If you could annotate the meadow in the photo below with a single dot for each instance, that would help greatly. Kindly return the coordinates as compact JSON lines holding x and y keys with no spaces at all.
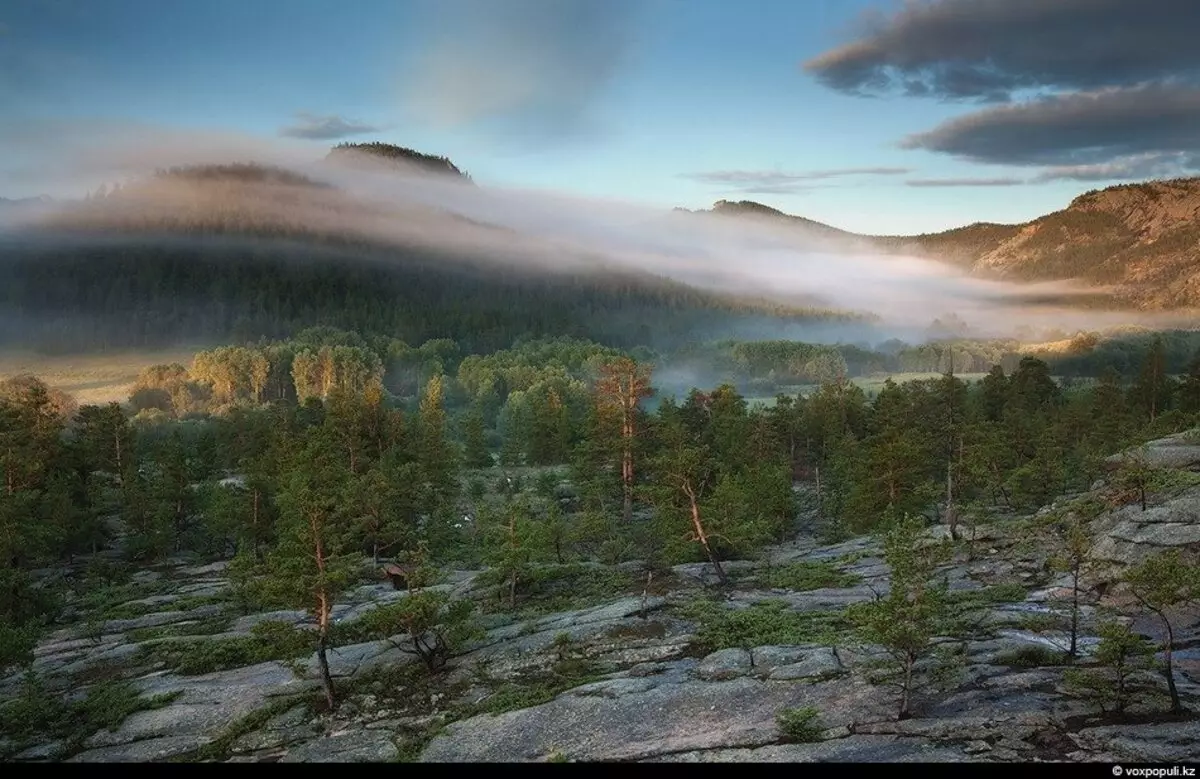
{"x":91,"y":378}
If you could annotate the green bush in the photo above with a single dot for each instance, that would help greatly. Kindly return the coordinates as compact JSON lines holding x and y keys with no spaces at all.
{"x":763,"y":623}
{"x":804,"y":576}
{"x":1032,"y":656}
{"x":38,"y":715}
{"x":801,"y":725}
{"x":267,"y":641}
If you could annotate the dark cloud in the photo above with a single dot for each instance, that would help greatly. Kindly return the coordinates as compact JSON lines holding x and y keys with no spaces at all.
{"x":312,"y":127}
{"x":775,"y":182}
{"x":966,"y":182}
{"x":530,"y":69}
{"x":988,"y":49}
{"x":1087,"y":128}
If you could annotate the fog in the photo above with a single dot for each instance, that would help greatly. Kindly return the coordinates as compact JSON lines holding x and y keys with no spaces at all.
{"x":542,"y":230}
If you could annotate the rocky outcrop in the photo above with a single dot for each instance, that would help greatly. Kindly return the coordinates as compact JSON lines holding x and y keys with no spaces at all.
{"x":629,"y":677}
{"x":1180,"y":451}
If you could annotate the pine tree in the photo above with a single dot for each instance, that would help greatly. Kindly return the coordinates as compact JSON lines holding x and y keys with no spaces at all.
{"x":435,"y":454}
{"x":682,"y":472}
{"x":1161,"y":584}
{"x":906,"y":619}
{"x":619,"y":391}
{"x":1151,"y":393}
{"x":309,"y":566}
{"x":475,"y":447}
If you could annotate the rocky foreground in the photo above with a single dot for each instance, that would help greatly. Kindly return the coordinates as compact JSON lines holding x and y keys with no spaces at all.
{"x":616,"y":665}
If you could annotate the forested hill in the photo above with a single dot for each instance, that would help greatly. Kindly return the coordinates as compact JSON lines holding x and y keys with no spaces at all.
{"x":1141,"y":241}
{"x":374,"y":154}
{"x":751,"y":210}
{"x":244,"y":251}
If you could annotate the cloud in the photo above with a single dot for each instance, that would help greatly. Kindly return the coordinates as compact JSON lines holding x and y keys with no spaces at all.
{"x":533,"y":70}
{"x":518,"y":230}
{"x":776,"y":182}
{"x":989,"y":49}
{"x":966,"y":182}
{"x":314,"y":127}
{"x":1087,"y":128}
{"x":1092,"y":90}
{"x":63,"y":156}
{"x":1140,"y":166}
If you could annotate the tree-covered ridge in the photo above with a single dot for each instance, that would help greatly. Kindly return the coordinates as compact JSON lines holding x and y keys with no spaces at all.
{"x":359,"y":152}
{"x":140,"y":293}
{"x":247,"y":172}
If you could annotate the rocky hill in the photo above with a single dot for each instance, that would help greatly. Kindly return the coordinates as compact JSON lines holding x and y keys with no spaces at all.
{"x":1140,"y":241}
{"x":630,"y":663}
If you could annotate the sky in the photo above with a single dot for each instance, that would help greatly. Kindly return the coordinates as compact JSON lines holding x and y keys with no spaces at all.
{"x":876,"y":116}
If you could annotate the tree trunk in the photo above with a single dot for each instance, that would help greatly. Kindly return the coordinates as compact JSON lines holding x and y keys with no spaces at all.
{"x":1073,"y":652}
{"x":322,"y":616}
{"x":951,"y":512}
{"x":698,"y":527}
{"x":322,"y":657}
{"x":906,"y":687}
{"x":1168,"y":666}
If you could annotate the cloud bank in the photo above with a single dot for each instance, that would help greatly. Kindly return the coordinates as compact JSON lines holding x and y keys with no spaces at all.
{"x":777,"y":182}
{"x":1089,"y":89}
{"x":542,"y":231}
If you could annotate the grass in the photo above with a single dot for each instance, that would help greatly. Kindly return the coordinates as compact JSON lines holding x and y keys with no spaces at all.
{"x":534,"y":690}
{"x":763,"y":624}
{"x":1039,"y":623}
{"x":200,"y":627}
{"x":39,"y":716}
{"x":221,"y":748}
{"x":113,"y":601}
{"x":547,"y":589}
{"x":91,"y":378}
{"x":571,"y":669}
{"x":1171,"y":480}
{"x":800,"y":725}
{"x":987,"y":596}
{"x":804,"y":576}
{"x":267,"y":641}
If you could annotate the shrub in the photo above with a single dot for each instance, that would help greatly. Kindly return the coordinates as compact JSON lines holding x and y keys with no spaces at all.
{"x":801,"y":725}
{"x":764,"y":623}
{"x":1032,"y":656}
{"x":804,"y":576}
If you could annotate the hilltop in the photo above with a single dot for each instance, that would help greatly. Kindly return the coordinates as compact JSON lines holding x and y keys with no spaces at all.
{"x":373,"y":154}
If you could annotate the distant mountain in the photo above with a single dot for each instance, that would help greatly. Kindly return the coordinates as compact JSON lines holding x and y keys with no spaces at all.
{"x":373,"y":155}
{"x":750,"y":209}
{"x":1140,"y":242}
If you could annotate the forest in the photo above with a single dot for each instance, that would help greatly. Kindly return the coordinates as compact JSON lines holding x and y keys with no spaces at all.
{"x":305,"y":460}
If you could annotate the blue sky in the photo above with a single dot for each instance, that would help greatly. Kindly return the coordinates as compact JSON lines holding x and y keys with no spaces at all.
{"x":667,"y":102}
